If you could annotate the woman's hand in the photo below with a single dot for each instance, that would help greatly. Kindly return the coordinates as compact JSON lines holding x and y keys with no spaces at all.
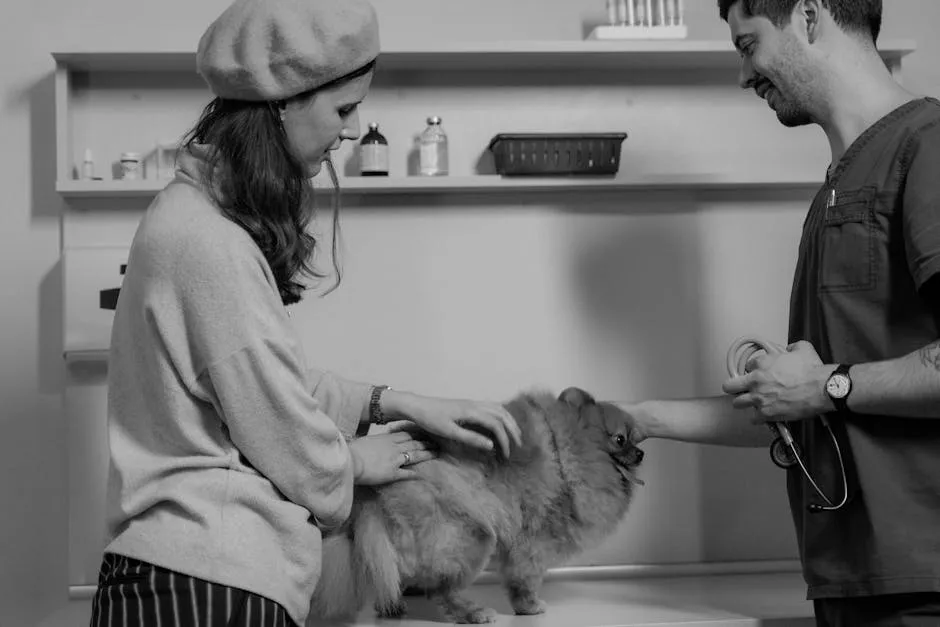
{"x":387,"y":457}
{"x":450,"y":418}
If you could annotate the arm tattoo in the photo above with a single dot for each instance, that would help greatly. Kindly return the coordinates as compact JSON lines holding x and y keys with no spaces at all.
{"x":930,"y":356}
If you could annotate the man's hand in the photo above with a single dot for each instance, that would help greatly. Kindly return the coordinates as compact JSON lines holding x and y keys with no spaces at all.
{"x":784,"y":386}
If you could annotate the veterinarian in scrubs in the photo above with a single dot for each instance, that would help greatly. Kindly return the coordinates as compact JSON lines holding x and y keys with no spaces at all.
{"x":865,"y":304}
{"x":229,"y":453}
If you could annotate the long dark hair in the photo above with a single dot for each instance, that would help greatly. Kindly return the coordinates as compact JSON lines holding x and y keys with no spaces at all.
{"x":259,"y":184}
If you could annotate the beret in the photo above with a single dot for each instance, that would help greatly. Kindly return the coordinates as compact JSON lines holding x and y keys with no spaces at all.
{"x":265,"y":50}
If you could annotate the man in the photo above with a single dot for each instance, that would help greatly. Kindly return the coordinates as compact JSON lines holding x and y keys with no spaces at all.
{"x":864,"y":312}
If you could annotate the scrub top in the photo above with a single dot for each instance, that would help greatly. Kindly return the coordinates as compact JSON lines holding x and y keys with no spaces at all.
{"x":870,"y":242}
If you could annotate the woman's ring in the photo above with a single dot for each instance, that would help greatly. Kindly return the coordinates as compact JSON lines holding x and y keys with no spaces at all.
{"x":407,"y":458}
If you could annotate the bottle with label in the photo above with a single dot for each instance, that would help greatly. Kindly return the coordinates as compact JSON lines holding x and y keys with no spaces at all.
{"x":373,"y":152}
{"x":433,"y":149}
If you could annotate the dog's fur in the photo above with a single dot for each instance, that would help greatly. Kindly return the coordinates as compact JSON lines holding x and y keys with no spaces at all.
{"x":566,"y":488}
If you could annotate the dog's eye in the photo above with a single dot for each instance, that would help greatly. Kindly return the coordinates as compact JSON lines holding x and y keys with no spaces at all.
{"x":620,"y":440}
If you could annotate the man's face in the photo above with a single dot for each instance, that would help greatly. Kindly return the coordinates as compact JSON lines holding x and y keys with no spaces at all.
{"x":774,"y":65}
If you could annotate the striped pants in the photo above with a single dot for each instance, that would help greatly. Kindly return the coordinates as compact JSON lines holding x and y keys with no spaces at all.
{"x":132,"y":593}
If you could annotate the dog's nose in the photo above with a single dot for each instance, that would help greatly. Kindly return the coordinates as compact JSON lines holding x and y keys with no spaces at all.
{"x":638,"y":455}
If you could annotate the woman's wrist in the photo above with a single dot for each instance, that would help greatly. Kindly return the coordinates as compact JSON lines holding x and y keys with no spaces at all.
{"x":356,"y":463}
{"x":394,"y":404}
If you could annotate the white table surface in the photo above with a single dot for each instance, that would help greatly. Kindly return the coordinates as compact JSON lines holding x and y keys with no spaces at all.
{"x":755,"y":600}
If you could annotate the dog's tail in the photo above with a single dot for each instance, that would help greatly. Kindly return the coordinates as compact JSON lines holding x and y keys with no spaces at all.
{"x":377,"y":557}
{"x":339,"y":592}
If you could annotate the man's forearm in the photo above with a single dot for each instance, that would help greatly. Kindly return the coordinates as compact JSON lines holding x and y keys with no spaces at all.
{"x":908,"y":386}
{"x":704,"y":420}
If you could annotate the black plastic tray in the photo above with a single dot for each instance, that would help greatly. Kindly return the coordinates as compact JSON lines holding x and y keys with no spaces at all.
{"x":556,"y":153}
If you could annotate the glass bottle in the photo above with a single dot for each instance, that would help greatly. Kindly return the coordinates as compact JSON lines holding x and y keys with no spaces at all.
{"x":433,"y":149}
{"x":373,"y":152}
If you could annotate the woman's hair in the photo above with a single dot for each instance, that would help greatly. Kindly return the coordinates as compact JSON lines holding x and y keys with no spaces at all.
{"x":261,"y":185}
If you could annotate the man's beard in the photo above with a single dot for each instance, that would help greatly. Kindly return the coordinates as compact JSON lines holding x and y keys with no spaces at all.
{"x":788,"y":112}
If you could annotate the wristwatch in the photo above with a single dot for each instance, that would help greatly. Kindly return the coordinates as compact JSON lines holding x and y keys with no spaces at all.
{"x":839,"y":386}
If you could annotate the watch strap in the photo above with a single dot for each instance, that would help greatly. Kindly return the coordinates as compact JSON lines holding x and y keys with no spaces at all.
{"x":376,"y":416}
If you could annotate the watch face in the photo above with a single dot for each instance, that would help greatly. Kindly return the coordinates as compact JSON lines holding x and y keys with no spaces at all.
{"x":838,"y":386}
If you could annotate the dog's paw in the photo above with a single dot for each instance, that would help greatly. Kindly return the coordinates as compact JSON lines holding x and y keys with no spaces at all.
{"x":478,"y":616}
{"x":529,"y":607}
{"x":392,"y":611}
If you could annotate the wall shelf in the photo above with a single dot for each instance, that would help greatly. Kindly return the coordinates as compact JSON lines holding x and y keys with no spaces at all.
{"x":569,"y":58}
{"x":507,"y":55}
{"x":480,"y":184}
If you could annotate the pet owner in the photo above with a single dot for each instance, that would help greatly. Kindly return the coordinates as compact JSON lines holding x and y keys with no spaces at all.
{"x":228,"y":453}
{"x":864,"y":311}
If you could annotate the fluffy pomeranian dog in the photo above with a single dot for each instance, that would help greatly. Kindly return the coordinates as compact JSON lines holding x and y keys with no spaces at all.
{"x":565,"y":489}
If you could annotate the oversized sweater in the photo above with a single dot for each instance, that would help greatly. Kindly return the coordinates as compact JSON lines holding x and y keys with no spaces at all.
{"x":227,"y":451}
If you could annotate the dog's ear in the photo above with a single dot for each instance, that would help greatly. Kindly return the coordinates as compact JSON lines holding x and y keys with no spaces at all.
{"x":576,"y":397}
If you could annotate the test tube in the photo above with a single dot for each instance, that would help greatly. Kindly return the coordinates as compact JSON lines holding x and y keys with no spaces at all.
{"x":661,"y":13}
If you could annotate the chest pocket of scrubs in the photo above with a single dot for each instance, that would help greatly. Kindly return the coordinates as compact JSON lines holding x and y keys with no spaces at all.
{"x":847,"y":243}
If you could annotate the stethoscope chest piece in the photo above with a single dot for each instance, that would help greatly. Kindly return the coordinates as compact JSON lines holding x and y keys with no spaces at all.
{"x":782,"y":455}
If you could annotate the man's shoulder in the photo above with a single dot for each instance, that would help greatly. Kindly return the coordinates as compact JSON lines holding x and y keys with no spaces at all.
{"x":924,"y":122}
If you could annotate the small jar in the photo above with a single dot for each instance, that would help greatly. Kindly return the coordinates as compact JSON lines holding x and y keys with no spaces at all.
{"x":130,"y":165}
{"x":432,"y":146}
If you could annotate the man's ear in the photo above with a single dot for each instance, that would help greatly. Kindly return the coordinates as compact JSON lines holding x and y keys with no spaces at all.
{"x":576,"y":397}
{"x":809,"y":12}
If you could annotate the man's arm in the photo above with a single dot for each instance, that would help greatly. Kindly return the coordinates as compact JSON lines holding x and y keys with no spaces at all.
{"x":703,"y":420}
{"x":908,"y":386}
{"x":791,"y":385}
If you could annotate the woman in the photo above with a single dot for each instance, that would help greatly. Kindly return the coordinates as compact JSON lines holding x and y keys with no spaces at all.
{"x":228,"y":454}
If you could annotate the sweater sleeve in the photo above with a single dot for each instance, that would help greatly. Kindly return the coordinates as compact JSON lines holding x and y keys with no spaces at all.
{"x":346,"y":400}
{"x":281,"y":430}
{"x":245,"y":359}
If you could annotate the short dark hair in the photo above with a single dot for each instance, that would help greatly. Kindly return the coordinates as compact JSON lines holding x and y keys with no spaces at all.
{"x":859,"y":16}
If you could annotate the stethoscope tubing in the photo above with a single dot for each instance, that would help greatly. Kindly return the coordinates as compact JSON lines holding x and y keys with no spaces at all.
{"x":783,"y":450}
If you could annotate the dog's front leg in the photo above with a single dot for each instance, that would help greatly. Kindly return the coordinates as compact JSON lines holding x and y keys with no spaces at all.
{"x":522,"y":575}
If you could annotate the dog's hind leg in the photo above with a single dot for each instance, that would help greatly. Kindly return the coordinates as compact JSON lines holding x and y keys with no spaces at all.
{"x":456,"y":573}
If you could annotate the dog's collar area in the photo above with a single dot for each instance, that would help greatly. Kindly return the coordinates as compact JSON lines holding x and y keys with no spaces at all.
{"x":566,"y":484}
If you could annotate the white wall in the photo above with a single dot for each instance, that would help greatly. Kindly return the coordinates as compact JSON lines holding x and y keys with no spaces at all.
{"x":611,"y":275}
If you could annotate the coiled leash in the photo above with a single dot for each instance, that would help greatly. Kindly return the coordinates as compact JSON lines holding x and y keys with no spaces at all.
{"x":784,"y":451}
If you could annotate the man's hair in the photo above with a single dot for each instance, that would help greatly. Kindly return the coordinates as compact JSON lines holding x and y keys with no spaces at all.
{"x":857,"y":16}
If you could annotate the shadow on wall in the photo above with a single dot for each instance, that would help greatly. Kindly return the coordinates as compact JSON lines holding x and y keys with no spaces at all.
{"x":635,"y":275}
{"x":46,"y":206}
{"x":33,"y":529}
{"x":638,"y":278}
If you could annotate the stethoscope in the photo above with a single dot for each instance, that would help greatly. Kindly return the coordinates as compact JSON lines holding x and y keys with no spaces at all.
{"x":784,"y":451}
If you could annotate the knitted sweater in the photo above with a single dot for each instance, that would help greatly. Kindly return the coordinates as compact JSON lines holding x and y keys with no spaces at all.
{"x":227,"y":452}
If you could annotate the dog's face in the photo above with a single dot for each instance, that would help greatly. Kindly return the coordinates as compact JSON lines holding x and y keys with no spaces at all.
{"x":612,"y":429}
